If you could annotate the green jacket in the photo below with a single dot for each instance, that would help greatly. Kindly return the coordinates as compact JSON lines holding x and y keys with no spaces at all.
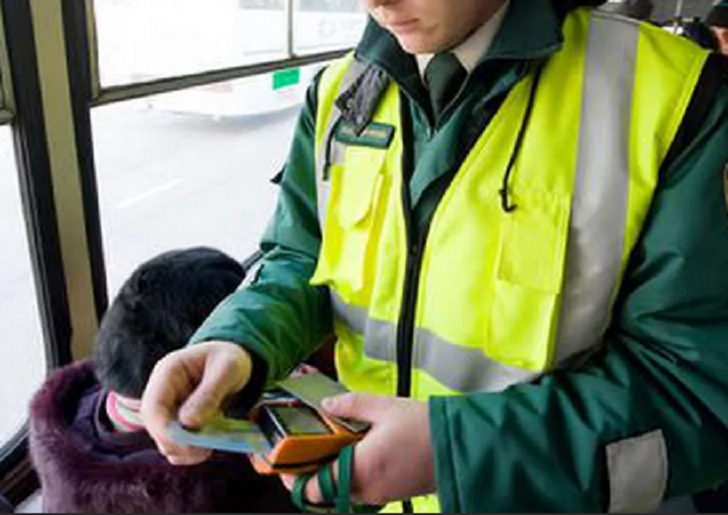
{"x":535,"y":447}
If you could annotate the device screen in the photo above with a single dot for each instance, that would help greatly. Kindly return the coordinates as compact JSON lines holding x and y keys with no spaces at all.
{"x":297,"y":420}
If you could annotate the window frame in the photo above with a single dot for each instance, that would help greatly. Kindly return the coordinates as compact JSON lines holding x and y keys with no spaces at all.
{"x":24,"y":85}
{"x":22,"y":92}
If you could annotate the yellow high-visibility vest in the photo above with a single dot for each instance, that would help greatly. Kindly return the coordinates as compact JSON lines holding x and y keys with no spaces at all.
{"x":503,"y":297}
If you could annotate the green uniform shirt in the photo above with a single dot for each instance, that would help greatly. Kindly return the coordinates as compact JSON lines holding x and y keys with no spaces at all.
{"x":664,"y":363}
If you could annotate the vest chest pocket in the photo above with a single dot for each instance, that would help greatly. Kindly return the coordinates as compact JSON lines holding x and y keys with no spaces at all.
{"x":527,"y":291}
{"x":355,"y":185}
{"x":355,"y":189}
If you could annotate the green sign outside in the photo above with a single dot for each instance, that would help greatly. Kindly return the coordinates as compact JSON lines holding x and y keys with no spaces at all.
{"x":285,"y":78}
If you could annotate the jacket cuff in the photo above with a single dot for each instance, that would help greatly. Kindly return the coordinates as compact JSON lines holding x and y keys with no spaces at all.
{"x":239,"y":405}
{"x":445,"y":473}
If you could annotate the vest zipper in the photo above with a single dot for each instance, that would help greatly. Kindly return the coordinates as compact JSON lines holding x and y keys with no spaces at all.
{"x":405,"y":326}
{"x":408,"y":309}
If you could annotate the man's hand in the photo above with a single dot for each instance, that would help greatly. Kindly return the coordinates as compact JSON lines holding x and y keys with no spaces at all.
{"x":191,"y":384}
{"x":394,"y":461}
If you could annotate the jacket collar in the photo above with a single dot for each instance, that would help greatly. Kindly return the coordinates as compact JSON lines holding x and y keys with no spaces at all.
{"x":531,"y":29}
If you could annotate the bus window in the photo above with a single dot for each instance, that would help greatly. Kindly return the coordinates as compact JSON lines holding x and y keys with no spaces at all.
{"x":245,"y":32}
{"x":270,"y":5}
{"x":305,"y":5}
{"x":341,"y":6}
{"x":22,"y":352}
{"x":256,"y":95}
{"x":167,"y":180}
{"x":108,"y":176}
{"x":320,"y":25}
{"x":199,"y":36}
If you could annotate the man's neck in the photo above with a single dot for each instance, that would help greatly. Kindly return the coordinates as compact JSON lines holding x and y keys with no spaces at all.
{"x":471,"y":50}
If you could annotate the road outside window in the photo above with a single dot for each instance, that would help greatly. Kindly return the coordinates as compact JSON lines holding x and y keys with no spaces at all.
{"x":177,"y":177}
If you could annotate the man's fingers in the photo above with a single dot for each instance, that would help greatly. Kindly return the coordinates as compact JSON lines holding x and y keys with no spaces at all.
{"x":166,"y":388}
{"x":186,"y":456}
{"x":313,"y":490}
{"x":203,"y":375}
{"x":367,"y":408}
{"x":225,"y":373}
{"x":182,"y":454}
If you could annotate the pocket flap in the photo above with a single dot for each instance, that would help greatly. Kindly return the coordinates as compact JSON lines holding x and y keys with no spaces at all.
{"x":363,"y":173}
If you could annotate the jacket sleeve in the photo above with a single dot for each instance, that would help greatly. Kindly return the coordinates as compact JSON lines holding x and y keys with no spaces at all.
{"x":647,"y":417}
{"x":279,"y":316}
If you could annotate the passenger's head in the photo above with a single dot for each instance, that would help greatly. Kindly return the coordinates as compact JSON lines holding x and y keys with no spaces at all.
{"x":721,"y":34}
{"x":701,"y":34}
{"x":156,"y":312}
{"x":430,"y":26}
{"x":718,"y":21}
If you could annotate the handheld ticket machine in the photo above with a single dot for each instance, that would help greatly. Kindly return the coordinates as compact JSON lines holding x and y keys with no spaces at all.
{"x":286,"y":432}
{"x":301,"y":438}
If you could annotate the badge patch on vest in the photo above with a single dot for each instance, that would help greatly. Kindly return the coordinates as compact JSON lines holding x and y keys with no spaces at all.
{"x":375,"y":135}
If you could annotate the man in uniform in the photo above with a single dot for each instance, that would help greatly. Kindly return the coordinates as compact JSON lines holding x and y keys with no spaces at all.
{"x":511,"y":213}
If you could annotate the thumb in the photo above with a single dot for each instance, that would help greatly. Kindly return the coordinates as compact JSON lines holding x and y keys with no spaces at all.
{"x":224,"y":374}
{"x":366,"y":408}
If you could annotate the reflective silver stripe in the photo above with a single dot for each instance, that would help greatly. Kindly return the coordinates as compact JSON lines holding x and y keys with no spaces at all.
{"x":463,"y":369}
{"x":638,"y":469}
{"x":380,"y":337}
{"x":324,"y":156}
{"x":458,"y":368}
{"x":355,"y":318}
{"x":599,"y":205}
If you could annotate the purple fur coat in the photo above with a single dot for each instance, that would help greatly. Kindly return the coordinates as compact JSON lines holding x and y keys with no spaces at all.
{"x":85,"y":468}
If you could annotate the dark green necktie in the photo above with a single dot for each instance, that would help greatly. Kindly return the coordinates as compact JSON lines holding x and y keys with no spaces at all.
{"x":443,"y":76}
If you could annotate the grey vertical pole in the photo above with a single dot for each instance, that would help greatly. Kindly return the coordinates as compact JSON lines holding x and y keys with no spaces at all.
{"x":679,"y":8}
{"x":289,"y":28}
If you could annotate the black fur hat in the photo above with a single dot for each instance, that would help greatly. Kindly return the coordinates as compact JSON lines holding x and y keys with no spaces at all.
{"x":156,"y":312}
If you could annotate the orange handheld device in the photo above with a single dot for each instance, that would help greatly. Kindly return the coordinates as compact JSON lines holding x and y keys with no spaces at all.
{"x":286,"y":432}
{"x":301,"y":438}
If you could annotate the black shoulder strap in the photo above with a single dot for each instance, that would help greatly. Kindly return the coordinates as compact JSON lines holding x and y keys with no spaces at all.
{"x":712,"y":78}
{"x":359,"y":102}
